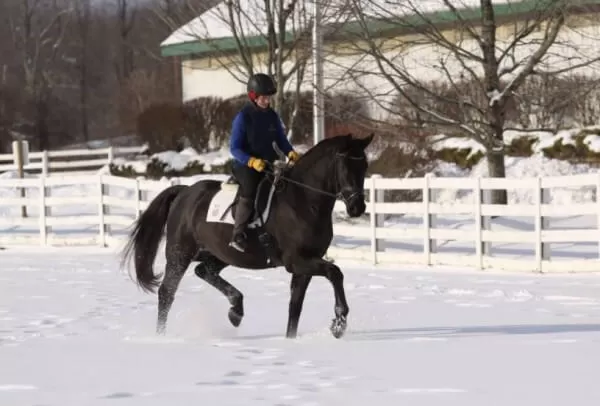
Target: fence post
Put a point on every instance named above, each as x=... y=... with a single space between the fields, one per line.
x=479 y=248
x=105 y=208
x=427 y=246
x=538 y=223
x=21 y=158
x=373 y=217
x=380 y=218
x=485 y=221
x=138 y=198
x=598 y=210
x=111 y=155
x=101 y=224
x=432 y=217
x=45 y=171
x=545 y=221
x=42 y=212
x=45 y=163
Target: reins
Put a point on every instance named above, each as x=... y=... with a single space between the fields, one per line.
x=304 y=185
x=277 y=176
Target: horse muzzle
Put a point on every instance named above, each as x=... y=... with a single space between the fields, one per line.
x=355 y=203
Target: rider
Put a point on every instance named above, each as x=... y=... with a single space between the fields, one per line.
x=254 y=129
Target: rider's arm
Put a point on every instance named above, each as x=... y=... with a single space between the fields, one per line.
x=282 y=141
x=236 y=143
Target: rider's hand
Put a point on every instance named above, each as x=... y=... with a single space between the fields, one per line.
x=257 y=164
x=293 y=156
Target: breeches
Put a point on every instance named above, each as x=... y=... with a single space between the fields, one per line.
x=248 y=180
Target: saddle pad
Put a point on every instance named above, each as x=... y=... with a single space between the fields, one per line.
x=219 y=210
x=220 y=203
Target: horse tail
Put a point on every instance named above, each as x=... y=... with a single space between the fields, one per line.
x=146 y=236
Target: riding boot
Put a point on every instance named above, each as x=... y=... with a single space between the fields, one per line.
x=242 y=217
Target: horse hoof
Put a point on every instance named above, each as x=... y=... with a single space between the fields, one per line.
x=338 y=327
x=234 y=317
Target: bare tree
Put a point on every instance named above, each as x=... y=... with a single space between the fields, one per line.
x=126 y=18
x=68 y=66
x=83 y=15
x=465 y=46
x=39 y=34
x=284 y=28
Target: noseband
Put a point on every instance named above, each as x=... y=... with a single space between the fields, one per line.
x=353 y=194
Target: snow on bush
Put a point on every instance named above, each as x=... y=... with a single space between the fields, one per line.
x=530 y=167
x=536 y=165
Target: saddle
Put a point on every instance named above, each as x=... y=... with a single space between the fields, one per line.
x=231 y=184
x=263 y=198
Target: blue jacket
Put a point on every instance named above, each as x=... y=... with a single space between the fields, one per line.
x=253 y=132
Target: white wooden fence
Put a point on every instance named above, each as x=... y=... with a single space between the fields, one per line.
x=45 y=162
x=525 y=236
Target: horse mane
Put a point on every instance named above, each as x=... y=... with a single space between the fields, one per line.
x=325 y=148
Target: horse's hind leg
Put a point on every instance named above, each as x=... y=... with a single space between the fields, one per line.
x=298 y=286
x=178 y=259
x=208 y=270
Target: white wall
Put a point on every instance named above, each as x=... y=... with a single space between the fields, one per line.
x=217 y=81
x=360 y=73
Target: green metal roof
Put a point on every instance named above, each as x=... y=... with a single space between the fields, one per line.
x=380 y=27
x=213 y=45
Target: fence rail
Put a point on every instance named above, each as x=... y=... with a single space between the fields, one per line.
x=46 y=162
x=538 y=233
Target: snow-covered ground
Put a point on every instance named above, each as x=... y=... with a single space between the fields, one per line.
x=74 y=330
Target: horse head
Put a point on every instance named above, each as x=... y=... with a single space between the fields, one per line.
x=338 y=166
x=350 y=170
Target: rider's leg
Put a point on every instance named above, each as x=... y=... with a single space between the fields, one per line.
x=248 y=180
x=242 y=217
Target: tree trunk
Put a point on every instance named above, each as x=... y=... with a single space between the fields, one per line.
x=497 y=169
x=495 y=144
x=278 y=99
x=292 y=120
x=83 y=99
x=41 y=125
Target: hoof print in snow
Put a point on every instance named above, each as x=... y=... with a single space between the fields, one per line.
x=118 y=395
x=234 y=373
x=228 y=382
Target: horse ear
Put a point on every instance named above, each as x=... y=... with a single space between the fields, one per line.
x=366 y=141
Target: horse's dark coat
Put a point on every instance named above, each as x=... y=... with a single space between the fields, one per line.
x=300 y=223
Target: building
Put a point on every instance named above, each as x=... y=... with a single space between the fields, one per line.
x=210 y=57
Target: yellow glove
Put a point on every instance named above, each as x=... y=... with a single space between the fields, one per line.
x=293 y=156
x=257 y=164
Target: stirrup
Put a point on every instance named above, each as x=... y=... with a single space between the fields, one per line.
x=236 y=246
x=239 y=245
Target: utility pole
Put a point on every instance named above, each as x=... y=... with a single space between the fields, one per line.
x=317 y=59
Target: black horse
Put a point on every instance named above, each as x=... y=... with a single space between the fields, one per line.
x=299 y=226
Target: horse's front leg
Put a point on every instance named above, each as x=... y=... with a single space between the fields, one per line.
x=336 y=277
x=301 y=268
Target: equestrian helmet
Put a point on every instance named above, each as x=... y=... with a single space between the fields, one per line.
x=261 y=84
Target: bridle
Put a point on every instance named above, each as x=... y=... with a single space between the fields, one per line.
x=340 y=194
